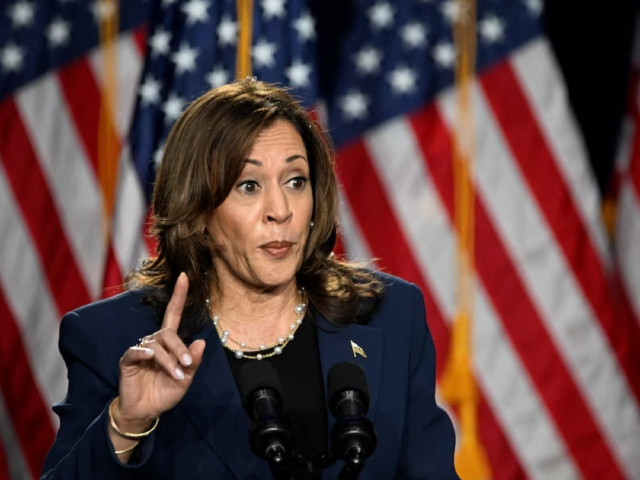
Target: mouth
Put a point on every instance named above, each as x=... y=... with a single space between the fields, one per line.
x=277 y=249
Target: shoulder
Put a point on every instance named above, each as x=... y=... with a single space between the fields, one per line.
x=122 y=318
x=395 y=284
x=396 y=289
x=400 y=302
x=129 y=301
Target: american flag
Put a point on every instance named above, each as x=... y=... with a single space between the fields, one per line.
x=556 y=344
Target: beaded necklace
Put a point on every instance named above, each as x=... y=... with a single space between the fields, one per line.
x=276 y=347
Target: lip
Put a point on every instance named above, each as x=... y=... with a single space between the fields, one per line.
x=277 y=249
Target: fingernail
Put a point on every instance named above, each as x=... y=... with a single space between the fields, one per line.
x=179 y=373
x=187 y=360
x=147 y=351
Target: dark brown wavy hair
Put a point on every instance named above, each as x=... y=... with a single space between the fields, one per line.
x=203 y=157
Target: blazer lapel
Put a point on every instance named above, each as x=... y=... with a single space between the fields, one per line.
x=361 y=344
x=214 y=407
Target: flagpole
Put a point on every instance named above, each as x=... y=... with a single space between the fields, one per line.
x=243 y=55
x=108 y=145
x=457 y=384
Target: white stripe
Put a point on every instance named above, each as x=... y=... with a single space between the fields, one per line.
x=424 y=219
x=25 y=285
x=625 y=146
x=514 y=399
x=16 y=462
x=129 y=217
x=67 y=168
x=128 y=69
x=552 y=286
x=354 y=242
x=540 y=79
x=628 y=244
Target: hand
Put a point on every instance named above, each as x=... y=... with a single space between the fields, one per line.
x=157 y=373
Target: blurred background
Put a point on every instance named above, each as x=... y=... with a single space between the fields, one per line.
x=486 y=151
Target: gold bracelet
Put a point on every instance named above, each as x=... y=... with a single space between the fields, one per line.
x=128 y=435
x=118 y=452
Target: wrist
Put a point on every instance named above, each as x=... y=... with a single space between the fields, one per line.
x=129 y=428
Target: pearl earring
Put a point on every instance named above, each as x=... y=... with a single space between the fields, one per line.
x=311 y=224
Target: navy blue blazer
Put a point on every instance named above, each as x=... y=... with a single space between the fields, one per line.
x=205 y=436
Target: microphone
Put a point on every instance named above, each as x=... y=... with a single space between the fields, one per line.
x=353 y=438
x=269 y=435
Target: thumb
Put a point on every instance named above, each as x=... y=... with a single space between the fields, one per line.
x=196 y=349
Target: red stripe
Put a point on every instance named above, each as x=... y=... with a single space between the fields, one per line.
x=38 y=210
x=526 y=329
x=370 y=205
x=499 y=452
x=531 y=151
x=140 y=38
x=386 y=239
x=112 y=283
x=433 y=137
x=82 y=98
x=25 y=405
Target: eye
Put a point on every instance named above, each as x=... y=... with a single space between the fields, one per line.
x=297 y=183
x=249 y=187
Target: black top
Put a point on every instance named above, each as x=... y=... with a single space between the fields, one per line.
x=299 y=369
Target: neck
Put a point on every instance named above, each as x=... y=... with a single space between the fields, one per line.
x=255 y=314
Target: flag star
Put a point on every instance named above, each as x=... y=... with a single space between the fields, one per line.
x=159 y=42
x=402 y=80
x=534 y=6
x=491 y=29
x=381 y=15
x=58 y=32
x=354 y=105
x=102 y=10
x=150 y=91
x=217 y=77
x=227 y=31
x=298 y=73
x=273 y=8
x=305 y=26
x=185 y=58
x=11 y=57
x=451 y=10
x=172 y=107
x=445 y=54
x=368 y=60
x=196 y=11
x=263 y=53
x=414 y=35
x=21 y=14
x=455 y=11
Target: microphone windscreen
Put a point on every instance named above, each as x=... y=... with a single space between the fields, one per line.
x=347 y=376
x=255 y=375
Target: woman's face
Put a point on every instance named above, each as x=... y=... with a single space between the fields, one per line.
x=261 y=228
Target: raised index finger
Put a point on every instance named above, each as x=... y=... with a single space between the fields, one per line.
x=173 y=314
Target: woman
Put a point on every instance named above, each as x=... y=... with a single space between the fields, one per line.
x=245 y=207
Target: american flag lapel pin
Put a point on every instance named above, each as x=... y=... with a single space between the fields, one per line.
x=357 y=349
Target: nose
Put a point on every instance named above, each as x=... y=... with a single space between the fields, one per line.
x=277 y=206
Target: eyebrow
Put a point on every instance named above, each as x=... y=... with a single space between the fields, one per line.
x=288 y=160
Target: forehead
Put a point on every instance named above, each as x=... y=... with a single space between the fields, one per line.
x=280 y=135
